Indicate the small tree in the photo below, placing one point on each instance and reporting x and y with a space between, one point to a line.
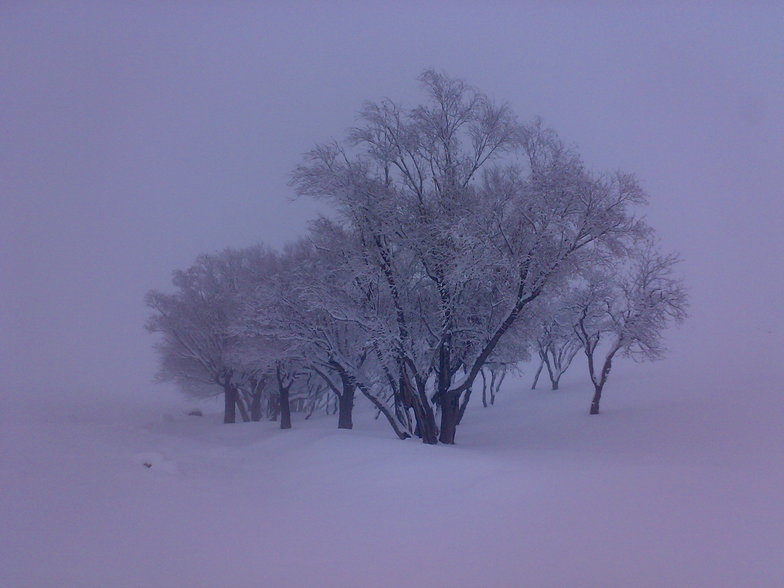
628 312
556 341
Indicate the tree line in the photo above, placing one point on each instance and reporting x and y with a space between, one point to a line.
458 242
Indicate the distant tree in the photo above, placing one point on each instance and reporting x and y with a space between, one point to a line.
198 348
627 312
556 341
513 349
255 395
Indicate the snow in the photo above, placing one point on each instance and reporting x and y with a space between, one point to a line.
677 483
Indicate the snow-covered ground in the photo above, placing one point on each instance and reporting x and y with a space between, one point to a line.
679 482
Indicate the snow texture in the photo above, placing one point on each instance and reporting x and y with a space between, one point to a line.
677 483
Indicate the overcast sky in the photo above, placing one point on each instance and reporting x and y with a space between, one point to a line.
134 136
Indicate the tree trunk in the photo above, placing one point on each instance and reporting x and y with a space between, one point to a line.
383 410
274 407
346 407
450 414
597 397
255 406
423 412
426 425
285 409
229 403
464 405
536 377
484 388
241 405
498 385
550 373
256 392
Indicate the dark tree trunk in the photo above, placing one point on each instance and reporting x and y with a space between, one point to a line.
423 412
538 372
425 422
551 373
285 409
484 388
464 405
428 428
555 374
601 380
346 407
426 425
450 415
597 398
229 403
343 409
493 387
498 386
284 385
383 410
401 404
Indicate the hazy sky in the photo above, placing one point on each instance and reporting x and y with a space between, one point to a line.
134 136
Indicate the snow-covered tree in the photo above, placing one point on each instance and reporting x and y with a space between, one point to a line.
198 348
556 341
316 310
627 312
455 239
463 216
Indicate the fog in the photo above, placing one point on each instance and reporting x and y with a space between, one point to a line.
135 136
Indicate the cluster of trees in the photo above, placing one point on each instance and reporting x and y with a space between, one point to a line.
459 242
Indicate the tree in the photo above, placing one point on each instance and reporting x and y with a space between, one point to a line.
285 375
513 349
313 309
456 237
198 348
556 341
463 216
628 312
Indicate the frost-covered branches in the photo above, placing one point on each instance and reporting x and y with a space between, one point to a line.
455 240
628 310
407 184
556 341
199 348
